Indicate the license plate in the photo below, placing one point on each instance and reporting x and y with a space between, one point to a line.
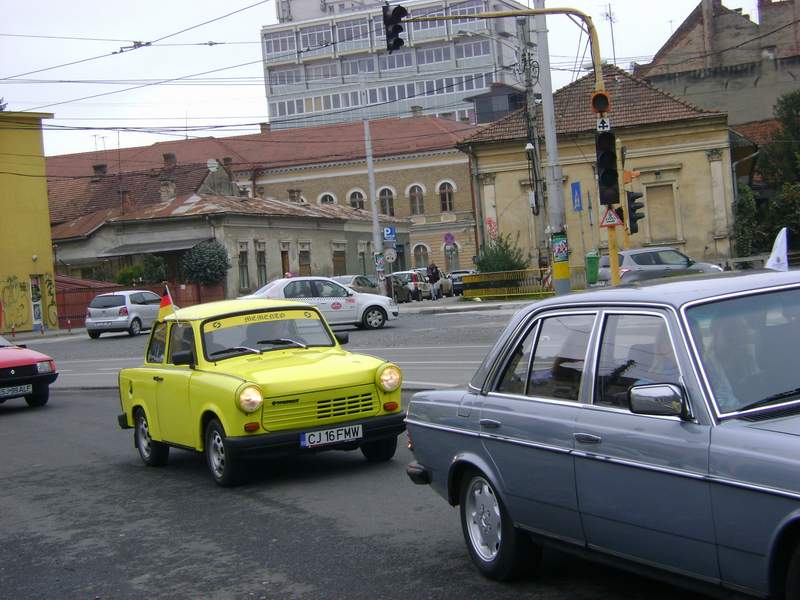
16 390
330 436
104 323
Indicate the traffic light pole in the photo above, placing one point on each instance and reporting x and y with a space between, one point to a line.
377 234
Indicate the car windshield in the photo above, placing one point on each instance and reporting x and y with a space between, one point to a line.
107 301
747 346
4 342
263 331
344 279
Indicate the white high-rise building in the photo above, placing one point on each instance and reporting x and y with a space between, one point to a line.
326 61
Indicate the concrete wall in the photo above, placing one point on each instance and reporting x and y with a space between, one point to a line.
27 288
689 161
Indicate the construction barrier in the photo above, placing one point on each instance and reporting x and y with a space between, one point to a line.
533 283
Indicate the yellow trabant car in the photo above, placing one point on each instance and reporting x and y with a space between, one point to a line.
246 378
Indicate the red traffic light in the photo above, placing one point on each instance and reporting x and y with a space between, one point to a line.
601 102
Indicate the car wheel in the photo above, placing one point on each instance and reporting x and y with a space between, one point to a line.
374 318
94 334
498 549
39 397
793 576
135 328
152 453
380 450
225 470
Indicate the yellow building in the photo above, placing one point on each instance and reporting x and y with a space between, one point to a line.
27 285
682 153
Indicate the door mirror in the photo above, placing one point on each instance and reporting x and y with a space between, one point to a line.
665 400
342 338
689 262
183 357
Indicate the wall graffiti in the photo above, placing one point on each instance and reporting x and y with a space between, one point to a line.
49 301
16 303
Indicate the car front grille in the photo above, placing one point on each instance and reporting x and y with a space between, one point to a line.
318 408
23 371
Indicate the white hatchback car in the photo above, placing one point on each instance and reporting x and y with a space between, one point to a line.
339 305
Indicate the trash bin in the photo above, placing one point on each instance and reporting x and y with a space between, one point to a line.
592 266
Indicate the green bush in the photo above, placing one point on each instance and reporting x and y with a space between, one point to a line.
745 222
206 263
129 275
154 268
502 254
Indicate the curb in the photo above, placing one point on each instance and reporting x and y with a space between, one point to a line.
464 309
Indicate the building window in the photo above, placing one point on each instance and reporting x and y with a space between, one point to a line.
451 257
417 200
352 30
294 196
280 43
420 256
305 262
446 197
428 25
285 76
261 263
315 37
357 200
396 60
661 213
319 71
470 49
467 8
244 274
387 202
354 66
327 199
433 54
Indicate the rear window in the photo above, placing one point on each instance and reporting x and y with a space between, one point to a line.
604 261
107 301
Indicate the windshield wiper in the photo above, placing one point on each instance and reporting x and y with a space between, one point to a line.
284 342
236 349
772 399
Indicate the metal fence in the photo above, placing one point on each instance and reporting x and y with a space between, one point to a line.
532 283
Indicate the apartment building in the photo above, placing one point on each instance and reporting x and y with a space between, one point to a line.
326 62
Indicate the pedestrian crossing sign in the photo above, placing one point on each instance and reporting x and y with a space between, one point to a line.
610 218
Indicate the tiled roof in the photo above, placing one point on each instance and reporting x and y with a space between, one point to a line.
189 205
66 282
758 132
634 102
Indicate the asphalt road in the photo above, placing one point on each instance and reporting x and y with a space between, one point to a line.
433 350
82 518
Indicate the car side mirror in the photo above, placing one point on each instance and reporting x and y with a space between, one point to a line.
663 400
183 357
689 262
342 338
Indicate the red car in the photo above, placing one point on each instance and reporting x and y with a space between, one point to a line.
25 374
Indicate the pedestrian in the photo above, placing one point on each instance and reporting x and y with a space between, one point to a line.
435 278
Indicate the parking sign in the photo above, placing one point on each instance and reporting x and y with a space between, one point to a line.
389 234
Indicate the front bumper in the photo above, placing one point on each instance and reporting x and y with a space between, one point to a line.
37 381
288 442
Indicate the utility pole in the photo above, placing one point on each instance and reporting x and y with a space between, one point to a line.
534 155
553 177
377 234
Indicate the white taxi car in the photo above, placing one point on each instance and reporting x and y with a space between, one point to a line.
339 305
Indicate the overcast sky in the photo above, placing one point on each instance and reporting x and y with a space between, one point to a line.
229 96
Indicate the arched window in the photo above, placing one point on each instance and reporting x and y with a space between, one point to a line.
387 202
417 200
357 200
420 256
451 257
327 199
446 197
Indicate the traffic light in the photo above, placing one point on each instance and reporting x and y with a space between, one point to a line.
633 210
607 174
392 25
601 102
620 214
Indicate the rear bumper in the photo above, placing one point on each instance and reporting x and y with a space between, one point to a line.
418 474
110 324
288 442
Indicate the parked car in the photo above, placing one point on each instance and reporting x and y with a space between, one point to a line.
457 277
656 426
445 283
366 284
25 373
130 310
242 378
649 263
339 305
416 284
399 289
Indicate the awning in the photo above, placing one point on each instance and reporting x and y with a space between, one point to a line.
151 247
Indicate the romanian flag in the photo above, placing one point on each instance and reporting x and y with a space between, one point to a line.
166 307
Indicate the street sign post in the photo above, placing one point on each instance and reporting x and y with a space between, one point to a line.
577 200
390 234
603 124
610 218
390 255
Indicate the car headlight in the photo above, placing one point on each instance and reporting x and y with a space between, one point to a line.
44 366
250 399
390 378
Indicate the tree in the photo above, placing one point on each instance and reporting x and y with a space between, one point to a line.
745 222
778 161
502 254
783 210
129 275
206 263
154 268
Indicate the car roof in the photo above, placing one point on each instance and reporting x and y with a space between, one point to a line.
125 292
648 249
677 291
225 307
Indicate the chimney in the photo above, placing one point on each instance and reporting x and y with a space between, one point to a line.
265 127
227 160
170 160
127 202
99 171
416 111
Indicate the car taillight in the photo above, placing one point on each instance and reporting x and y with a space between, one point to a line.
622 271
123 312
88 314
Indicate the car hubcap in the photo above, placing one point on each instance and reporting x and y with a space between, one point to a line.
483 519
374 318
217 454
144 437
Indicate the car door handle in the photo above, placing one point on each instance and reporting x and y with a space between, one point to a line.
157 378
587 438
489 423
